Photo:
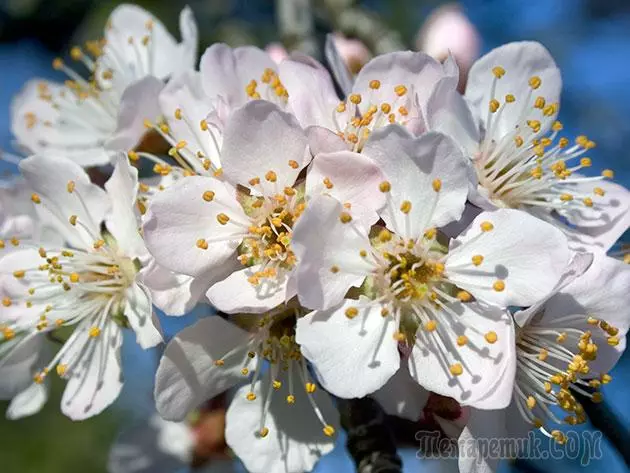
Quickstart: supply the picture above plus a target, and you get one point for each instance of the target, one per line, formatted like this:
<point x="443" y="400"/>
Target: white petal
<point x="521" y="61"/>
<point x="236" y="294"/>
<point x="154" y="446"/>
<point x="179" y="216"/>
<point x="28" y="402"/>
<point x="295" y="440"/>
<point x="355" y="179"/>
<point x="321" y="241"/>
<point x="137" y="104"/>
<point x="482" y="427"/>
<point x="122" y="221"/>
<point x="95" y="380"/>
<point x="412" y="166"/>
<point x="187" y="375"/>
<point x="259" y="138"/>
<point x="143" y="320"/>
<point x="402" y="396"/>
<point x="48" y="175"/>
<point x="226" y="71"/>
<point x="312" y="95"/>
<point x="323" y="140"/>
<point x="488" y="368"/>
<point x="17" y="366"/>
<point x="527" y="254"/>
<point x="190" y="39"/>
<point x="352" y="357"/>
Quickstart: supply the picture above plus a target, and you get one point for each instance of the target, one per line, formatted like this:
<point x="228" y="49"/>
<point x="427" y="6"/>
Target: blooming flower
<point x="391" y="88"/>
<point x="506" y="123"/>
<point x="444" y="301"/>
<point x="565" y="346"/>
<point x="279" y="422"/>
<point x="88" y="288"/>
<point x="81" y="117"/>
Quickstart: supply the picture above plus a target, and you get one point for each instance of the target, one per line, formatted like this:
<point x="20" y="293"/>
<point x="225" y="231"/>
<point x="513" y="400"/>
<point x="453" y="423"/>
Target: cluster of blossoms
<point x="401" y="239"/>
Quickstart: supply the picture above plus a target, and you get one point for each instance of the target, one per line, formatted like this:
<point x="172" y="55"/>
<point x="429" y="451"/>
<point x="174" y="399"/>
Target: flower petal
<point x="429" y="172"/>
<point x="328" y="254"/>
<point x="523" y="258"/>
<point x="137" y="104"/>
<point x="260" y="138"/>
<point x="521" y="61"/>
<point x="482" y="427"/>
<point x="337" y="65"/>
<point x="352" y="179"/>
<point x="180" y="216"/>
<point x="143" y="320"/>
<point x="95" y="380"/>
<point x="187" y="374"/>
<point x="49" y="176"/>
<point x="28" y="402"/>
<point x="352" y="357"/>
<point x="18" y="364"/>
<point x="123" y="222"/>
<point x="295" y="441"/>
<point x="488" y="369"/>
<point x="236" y="294"/>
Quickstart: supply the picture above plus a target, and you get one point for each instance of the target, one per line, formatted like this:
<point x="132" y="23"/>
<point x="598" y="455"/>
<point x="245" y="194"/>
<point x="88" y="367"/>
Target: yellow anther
<point x="251" y="396"/>
<point x="518" y="141"/>
<point x="456" y="369"/>
<point x="608" y="173"/>
<point x="293" y="164"/>
<point x="73" y="219"/>
<point x="477" y="260"/>
<point x="208" y="196"/>
<point x="35" y="198"/>
<point x="498" y="72"/>
<point x="613" y="341"/>
<point x="494" y="105"/>
<point x="405" y="207"/>
<point x="223" y="219"/>
<point x="587" y="201"/>
<point x="430" y="325"/>
<point x="566" y="197"/>
<point x="290" y="399"/>
<point x="430" y="233"/>
<point x="244" y="371"/>
<point x="355" y="99"/>
<point x="531" y="402"/>
<point x="464" y="296"/>
<point x="19" y="274"/>
<point x="597" y="397"/>
<point x="310" y="387"/>
<point x="375" y="84"/>
<point x="491" y="337"/>
<point x="132" y="155"/>
<point x="585" y="162"/>
<point x="264" y="432"/>
<point x="7" y="302"/>
<point x="400" y="90"/>
<point x="329" y="430"/>
<point x="219" y="362"/>
<point x="202" y="244"/>
<point x="535" y="82"/>
<point x="384" y="235"/>
<point x="276" y="384"/>
<point x="181" y="145"/>
<point x="345" y="217"/>
<point x="543" y="354"/>
<point x="94" y="332"/>
<point x="534" y="125"/>
<point x="74" y="277"/>
<point x="437" y="185"/>
<point x="561" y="338"/>
<point x="462" y="340"/>
<point x="352" y="312"/>
<point x="385" y="186"/>
<point x="57" y="64"/>
<point x="70" y="186"/>
<point x="61" y="369"/>
<point x="498" y="286"/>
<point x="178" y="114"/>
<point x="98" y="244"/>
<point x="486" y="226"/>
<point x="599" y="191"/>
<point x="328" y="183"/>
<point x="363" y="253"/>
<point x="539" y="102"/>
<point x="509" y="98"/>
<point x="271" y="176"/>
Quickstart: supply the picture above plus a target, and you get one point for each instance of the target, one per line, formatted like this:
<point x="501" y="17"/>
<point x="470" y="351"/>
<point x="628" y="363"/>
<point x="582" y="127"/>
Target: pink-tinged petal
<point x="352" y="179"/>
<point x="295" y="439"/>
<point x="487" y="369"/>
<point x="329" y="254"/>
<point x="50" y="176"/>
<point x="401" y="396"/>
<point x="417" y="71"/>
<point x="226" y="72"/>
<point x="95" y="380"/>
<point x="187" y="375"/>
<point x="123" y="221"/>
<point x="523" y="258"/>
<point x="521" y="61"/>
<point x="261" y="141"/>
<point x="312" y="96"/>
<point x="190" y="39"/>
<point x="429" y="172"/>
<point x="139" y="313"/>
<point x="137" y="104"/>
<point x="179" y="217"/>
<point x="323" y="140"/>
<point x="236" y="293"/>
<point x="353" y="357"/>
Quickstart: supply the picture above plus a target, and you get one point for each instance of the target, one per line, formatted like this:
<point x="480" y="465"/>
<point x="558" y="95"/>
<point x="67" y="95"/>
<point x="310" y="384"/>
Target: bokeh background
<point x="590" y="40"/>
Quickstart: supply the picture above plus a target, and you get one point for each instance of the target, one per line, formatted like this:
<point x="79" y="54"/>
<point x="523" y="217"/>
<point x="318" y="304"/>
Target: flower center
<point x="553" y="365"/>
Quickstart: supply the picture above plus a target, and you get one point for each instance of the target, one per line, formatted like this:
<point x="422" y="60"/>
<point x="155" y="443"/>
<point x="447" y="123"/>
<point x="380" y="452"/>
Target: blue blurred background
<point x="590" y="40"/>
